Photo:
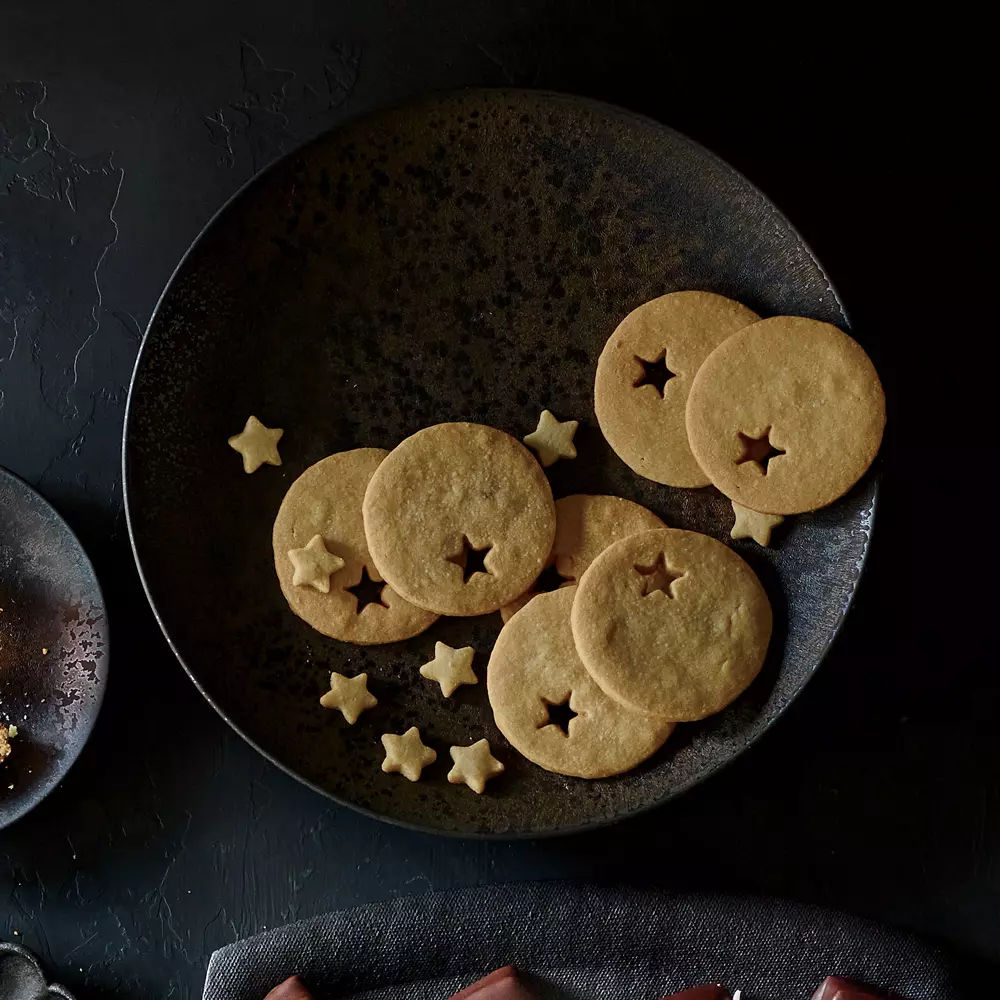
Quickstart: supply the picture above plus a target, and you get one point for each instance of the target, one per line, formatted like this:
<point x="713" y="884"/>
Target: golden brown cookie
<point x="350" y="695"/>
<point x="753" y="524"/>
<point x="671" y="623"/>
<point x="451" y="668"/>
<point x="474" y="766"/>
<point x="406" y="754"/>
<point x="535" y="672"/>
<point x="552" y="439"/>
<point x="786" y="416"/>
<point x="326" y="501"/>
<point x="459" y="518"/>
<point x="585" y="526"/>
<point x="641" y="415"/>
<point x="257" y="444"/>
<point x="313" y="565"/>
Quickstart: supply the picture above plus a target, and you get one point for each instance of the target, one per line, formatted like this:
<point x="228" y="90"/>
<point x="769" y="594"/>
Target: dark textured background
<point x="123" y="128"/>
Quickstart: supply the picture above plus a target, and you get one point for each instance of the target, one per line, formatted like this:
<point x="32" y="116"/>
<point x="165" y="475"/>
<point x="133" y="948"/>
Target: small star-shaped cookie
<point x="474" y="766"/>
<point x="751" y="524"/>
<point x="350" y="695"/>
<point x="552" y="439"/>
<point x="257" y="444"/>
<point x="406" y="754"/>
<point x="450" y="667"/>
<point x="314" y="565"/>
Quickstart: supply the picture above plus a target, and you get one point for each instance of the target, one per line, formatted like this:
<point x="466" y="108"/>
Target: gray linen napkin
<point x="577" y="943"/>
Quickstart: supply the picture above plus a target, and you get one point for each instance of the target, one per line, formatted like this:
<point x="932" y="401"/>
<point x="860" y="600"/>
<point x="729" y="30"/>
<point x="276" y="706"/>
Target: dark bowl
<point x="53" y="646"/>
<point x="461" y="258"/>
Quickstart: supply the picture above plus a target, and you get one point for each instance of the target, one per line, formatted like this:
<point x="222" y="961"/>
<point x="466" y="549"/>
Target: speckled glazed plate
<point x="462" y="258"/>
<point x="53" y="646"/>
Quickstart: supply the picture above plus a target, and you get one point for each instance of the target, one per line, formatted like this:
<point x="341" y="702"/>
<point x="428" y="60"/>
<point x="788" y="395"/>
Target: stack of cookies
<point x="648" y="625"/>
<point x="783" y="415"/>
<point x="664" y="626"/>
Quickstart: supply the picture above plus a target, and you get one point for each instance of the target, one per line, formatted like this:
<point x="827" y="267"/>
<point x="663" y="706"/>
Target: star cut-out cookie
<point x="406" y="754"/>
<point x="257" y="444"/>
<point x="474" y="766"/>
<point x="450" y="668"/>
<point x="751" y="524"/>
<point x="314" y="565"/>
<point x="350" y="695"/>
<point x="552" y="439"/>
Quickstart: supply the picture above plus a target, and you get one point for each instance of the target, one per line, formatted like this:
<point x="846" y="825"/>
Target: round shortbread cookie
<point x="786" y="416"/>
<point x="585" y="526"/>
<point x="534" y="665"/>
<point x="644" y="425"/>
<point x="453" y="497"/>
<point x="671" y="623"/>
<point x="326" y="501"/>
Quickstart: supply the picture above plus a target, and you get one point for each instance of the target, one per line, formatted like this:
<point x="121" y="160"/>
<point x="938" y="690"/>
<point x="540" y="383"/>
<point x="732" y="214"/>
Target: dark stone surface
<point x="879" y="790"/>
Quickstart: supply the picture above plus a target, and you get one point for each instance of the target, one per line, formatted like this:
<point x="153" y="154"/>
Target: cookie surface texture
<point x="786" y="416"/>
<point x="640" y="414"/>
<point x="459" y="518"/>
<point x="535" y="666"/>
<point x="585" y="526"/>
<point x="671" y="623"/>
<point x="326" y="501"/>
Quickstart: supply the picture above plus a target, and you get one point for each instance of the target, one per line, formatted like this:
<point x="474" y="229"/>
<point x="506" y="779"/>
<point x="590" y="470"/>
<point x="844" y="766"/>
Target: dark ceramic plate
<point x="463" y="258"/>
<point x="53" y="646"/>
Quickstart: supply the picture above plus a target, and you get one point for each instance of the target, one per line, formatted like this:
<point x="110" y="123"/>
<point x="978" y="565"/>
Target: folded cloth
<point x="702" y="993"/>
<point x="500" y="985"/>
<point x="577" y="942"/>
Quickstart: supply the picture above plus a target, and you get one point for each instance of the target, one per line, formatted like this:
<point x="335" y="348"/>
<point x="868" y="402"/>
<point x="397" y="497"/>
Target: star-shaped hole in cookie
<point x="559" y="714"/>
<point x="471" y="560"/>
<point x="658" y="577"/>
<point x="654" y="373"/>
<point x="366" y="591"/>
<point x="548" y="580"/>
<point x="758" y="450"/>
